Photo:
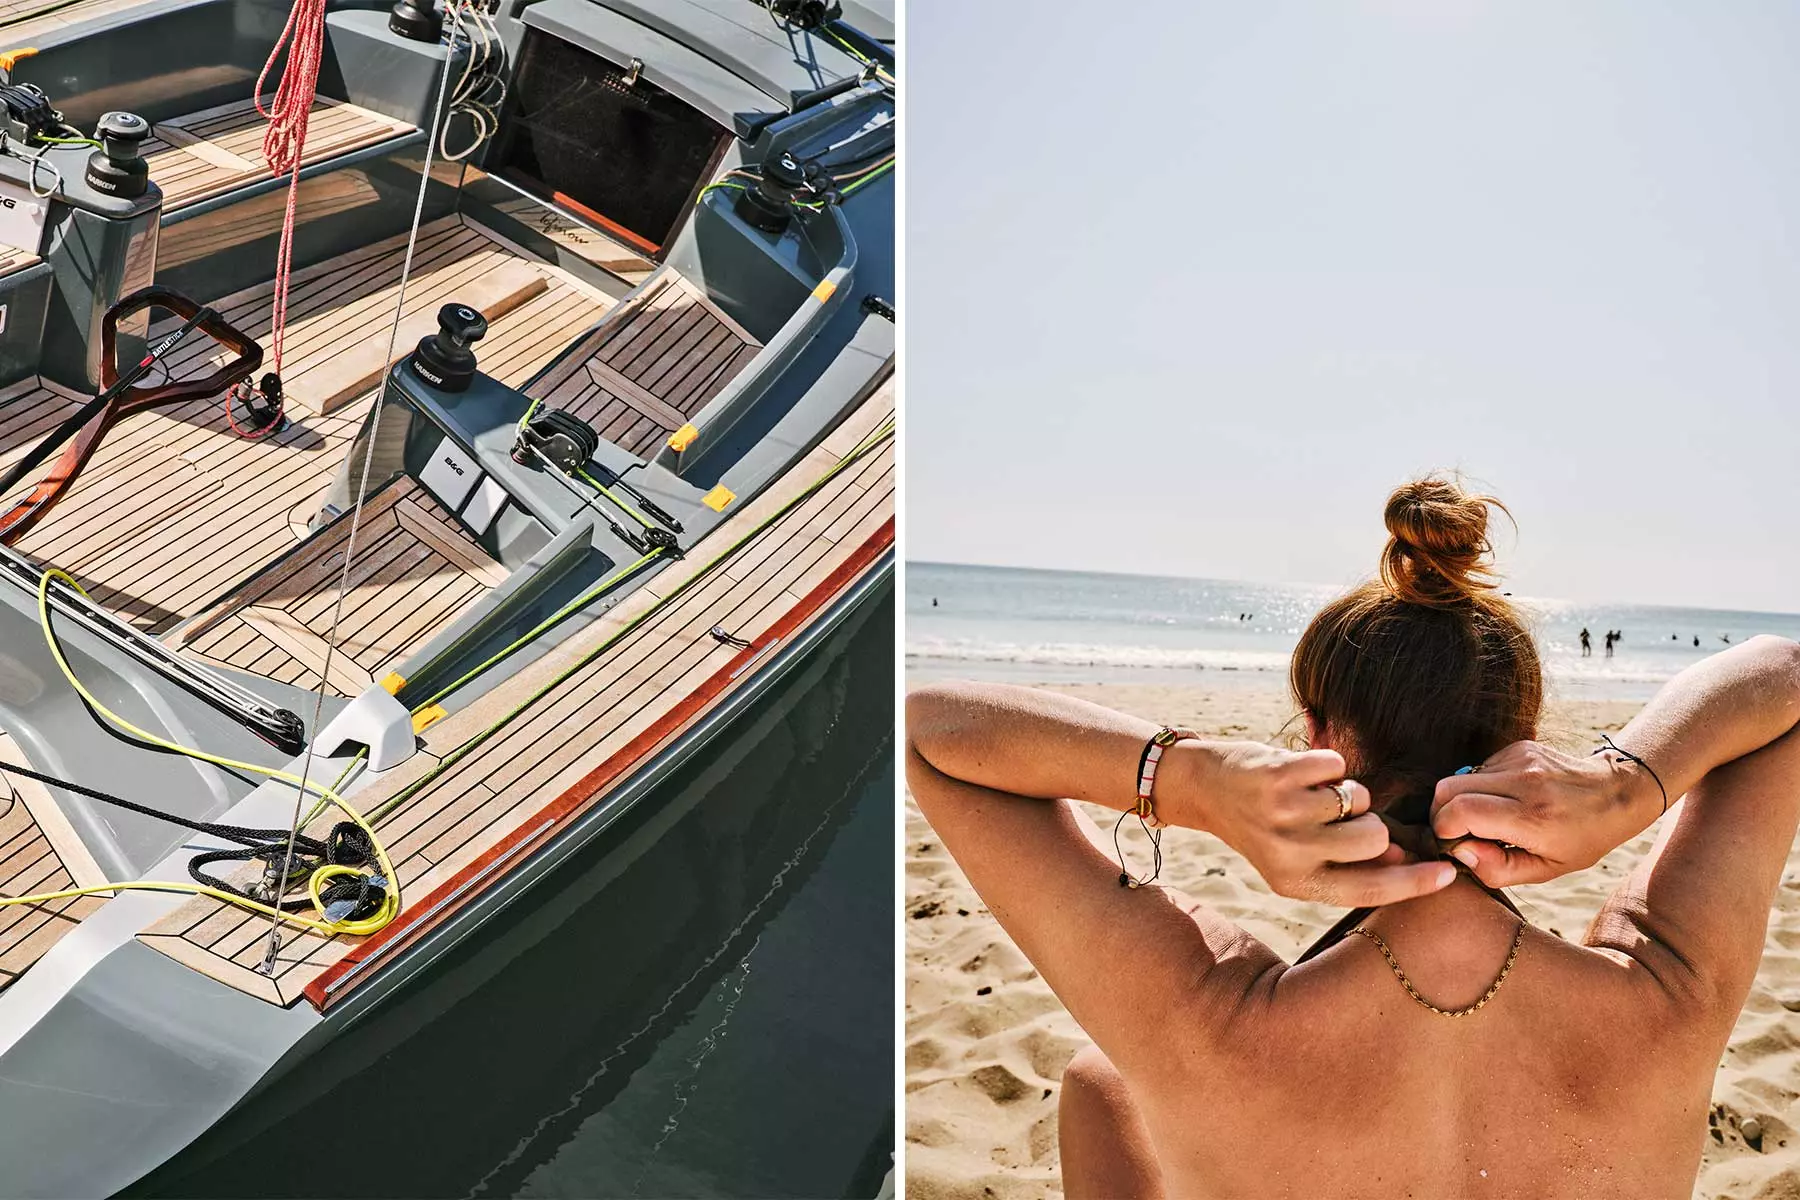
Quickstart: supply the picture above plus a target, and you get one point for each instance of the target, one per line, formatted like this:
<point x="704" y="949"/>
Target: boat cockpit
<point x="308" y="445"/>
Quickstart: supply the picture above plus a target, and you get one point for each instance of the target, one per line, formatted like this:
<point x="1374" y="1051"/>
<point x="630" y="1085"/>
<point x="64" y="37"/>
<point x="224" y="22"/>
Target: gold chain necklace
<point x="1406" y="983"/>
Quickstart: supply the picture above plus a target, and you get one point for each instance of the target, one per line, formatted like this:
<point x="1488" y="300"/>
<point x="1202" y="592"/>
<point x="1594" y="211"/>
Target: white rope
<point x="337" y="609"/>
<point x="481" y="90"/>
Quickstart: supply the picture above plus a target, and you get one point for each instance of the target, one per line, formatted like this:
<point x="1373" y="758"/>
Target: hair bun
<point x="1437" y="539"/>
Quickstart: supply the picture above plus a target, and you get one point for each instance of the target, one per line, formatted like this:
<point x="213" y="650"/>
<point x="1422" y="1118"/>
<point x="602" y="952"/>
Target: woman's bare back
<point x="1574" y="1080"/>
<point x="1588" y="1073"/>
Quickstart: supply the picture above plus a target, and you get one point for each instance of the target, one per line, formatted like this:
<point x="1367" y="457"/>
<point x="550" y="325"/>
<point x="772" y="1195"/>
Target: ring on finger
<point x="1346" y="802"/>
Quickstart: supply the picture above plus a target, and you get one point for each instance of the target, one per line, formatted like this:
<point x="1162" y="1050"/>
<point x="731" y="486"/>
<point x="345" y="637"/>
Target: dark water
<point x="700" y="1005"/>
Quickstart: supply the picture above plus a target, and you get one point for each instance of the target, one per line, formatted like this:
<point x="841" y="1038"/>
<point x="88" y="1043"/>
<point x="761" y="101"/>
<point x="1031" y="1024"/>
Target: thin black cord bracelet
<point x="1630" y="757"/>
<point x="1126" y="878"/>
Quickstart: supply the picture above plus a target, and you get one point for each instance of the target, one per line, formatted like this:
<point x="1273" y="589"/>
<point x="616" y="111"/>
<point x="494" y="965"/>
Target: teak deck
<point x="208" y="153"/>
<point x="557" y="758"/>
<point x="416" y="569"/>
<point x="21" y="20"/>
<point x="174" y="508"/>
<point x="655" y="363"/>
<point x="14" y="259"/>
<point x="39" y="852"/>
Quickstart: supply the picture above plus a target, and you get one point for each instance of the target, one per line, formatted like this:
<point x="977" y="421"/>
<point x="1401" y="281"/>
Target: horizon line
<point x="934" y="562"/>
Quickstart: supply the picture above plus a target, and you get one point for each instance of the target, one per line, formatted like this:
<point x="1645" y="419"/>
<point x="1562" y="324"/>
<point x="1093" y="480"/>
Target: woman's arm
<point x="990" y="767"/>
<point x="1722" y="734"/>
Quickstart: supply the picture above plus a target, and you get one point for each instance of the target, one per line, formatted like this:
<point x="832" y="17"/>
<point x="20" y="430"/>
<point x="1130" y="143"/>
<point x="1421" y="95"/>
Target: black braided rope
<point x="347" y="845"/>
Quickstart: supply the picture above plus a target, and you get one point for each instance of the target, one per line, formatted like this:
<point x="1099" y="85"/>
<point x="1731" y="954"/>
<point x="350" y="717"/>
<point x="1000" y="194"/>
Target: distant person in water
<point x="1610" y="639"/>
<point x="1726" y="638"/>
<point x="1577" y="1067"/>
<point x="934" y="602"/>
<point x="1587" y="644"/>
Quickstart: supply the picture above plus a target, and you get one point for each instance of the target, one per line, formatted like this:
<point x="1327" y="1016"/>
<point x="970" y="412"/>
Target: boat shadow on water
<point x="699" y="1003"/>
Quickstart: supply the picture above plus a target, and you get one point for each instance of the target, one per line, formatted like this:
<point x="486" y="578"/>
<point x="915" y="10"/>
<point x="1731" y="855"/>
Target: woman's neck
<point x="1450" y="941"/>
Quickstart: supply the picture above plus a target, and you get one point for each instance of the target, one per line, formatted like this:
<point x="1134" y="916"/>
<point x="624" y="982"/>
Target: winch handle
<point x="248" y="354"/>
<point x="85" y="428"/>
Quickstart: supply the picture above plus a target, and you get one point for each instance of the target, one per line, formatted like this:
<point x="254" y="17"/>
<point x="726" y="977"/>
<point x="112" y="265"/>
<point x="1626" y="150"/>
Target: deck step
<point x="23" y="20"/>
<point x="218" y="150"/>
<point x="415" y="571"/>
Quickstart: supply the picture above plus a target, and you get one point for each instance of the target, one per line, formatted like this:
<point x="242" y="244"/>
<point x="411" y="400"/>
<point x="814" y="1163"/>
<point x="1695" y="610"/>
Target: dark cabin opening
<point x="628" y="157"/>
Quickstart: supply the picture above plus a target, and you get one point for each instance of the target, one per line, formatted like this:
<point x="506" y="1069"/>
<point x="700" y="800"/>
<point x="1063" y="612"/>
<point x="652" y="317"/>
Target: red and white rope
<point x="285" y="141"/>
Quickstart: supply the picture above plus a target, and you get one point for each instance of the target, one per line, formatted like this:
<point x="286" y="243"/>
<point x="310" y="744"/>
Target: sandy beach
<point x="986" y="1040"/>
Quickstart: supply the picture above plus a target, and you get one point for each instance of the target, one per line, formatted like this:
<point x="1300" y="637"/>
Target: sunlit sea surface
<point x="1055" y="626"/>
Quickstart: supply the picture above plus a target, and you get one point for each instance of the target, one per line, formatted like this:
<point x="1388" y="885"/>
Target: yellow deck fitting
<point x="425" y="718"/>
<point x="718" y="498"/>
<point x="8" y="58"/>
<point x="682" y="438"/>
<point x="824" y="291"/>
<point x="393" y="683"/>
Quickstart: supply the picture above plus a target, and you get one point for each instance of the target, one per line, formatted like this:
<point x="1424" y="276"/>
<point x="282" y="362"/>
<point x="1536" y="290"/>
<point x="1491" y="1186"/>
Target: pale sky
<point x="1191" y="286"/>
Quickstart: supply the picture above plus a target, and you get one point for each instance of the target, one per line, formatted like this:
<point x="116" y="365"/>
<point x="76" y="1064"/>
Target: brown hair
<point x="1428" y="668"/>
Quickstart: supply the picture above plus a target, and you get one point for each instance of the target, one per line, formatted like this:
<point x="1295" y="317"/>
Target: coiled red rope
<point x="283" y="144"/>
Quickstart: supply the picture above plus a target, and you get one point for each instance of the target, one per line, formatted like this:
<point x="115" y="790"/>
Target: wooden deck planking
<point x="209" y="153"/>
<point x="654" y="363"/>
<point x="14" y="259"/>
<point x="209" y="508"/>
<point x="403" y="588"/>
<point x="261" y="216"/>
<point x="23" y="20"/>
<point x="39" y="852"/>
<point x="626" y="693"/>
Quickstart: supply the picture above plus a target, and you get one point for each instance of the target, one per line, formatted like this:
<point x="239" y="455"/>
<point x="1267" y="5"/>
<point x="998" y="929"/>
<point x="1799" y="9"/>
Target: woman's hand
<point x="1277" y="809"/>
<point x="1531" y="813"/>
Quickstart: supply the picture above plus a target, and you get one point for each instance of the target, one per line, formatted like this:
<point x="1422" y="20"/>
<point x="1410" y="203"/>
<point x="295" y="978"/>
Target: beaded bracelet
<point x="1144" y="809"/>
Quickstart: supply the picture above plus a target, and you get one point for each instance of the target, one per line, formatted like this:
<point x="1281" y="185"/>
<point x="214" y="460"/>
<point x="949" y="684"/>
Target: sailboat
<point x="423" y="428"/>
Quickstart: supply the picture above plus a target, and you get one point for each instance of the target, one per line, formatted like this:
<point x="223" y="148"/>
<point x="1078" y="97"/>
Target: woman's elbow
<point x="932" y="711"/>
<point x="1781" y="654"/>
<point x="1776" y="667"/>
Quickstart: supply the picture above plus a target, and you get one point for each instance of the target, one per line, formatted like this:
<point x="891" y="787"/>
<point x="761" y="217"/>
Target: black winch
<point x="117" y="168"/>
<point x="768" y="204"/>
<point x="805" y="14"/>
<point x="418" y="20"/>
<point x="443" y="359"/>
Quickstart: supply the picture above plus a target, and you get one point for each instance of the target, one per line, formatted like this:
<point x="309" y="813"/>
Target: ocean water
<point x="700" y="1003"/>
<point x="1055" y="626"/>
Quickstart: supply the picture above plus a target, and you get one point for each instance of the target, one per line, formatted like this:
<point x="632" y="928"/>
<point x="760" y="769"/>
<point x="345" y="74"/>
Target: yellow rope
<point x="391" y="904"/>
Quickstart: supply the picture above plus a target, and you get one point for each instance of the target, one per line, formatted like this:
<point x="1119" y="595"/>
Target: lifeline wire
<point x="337" y="609"/>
